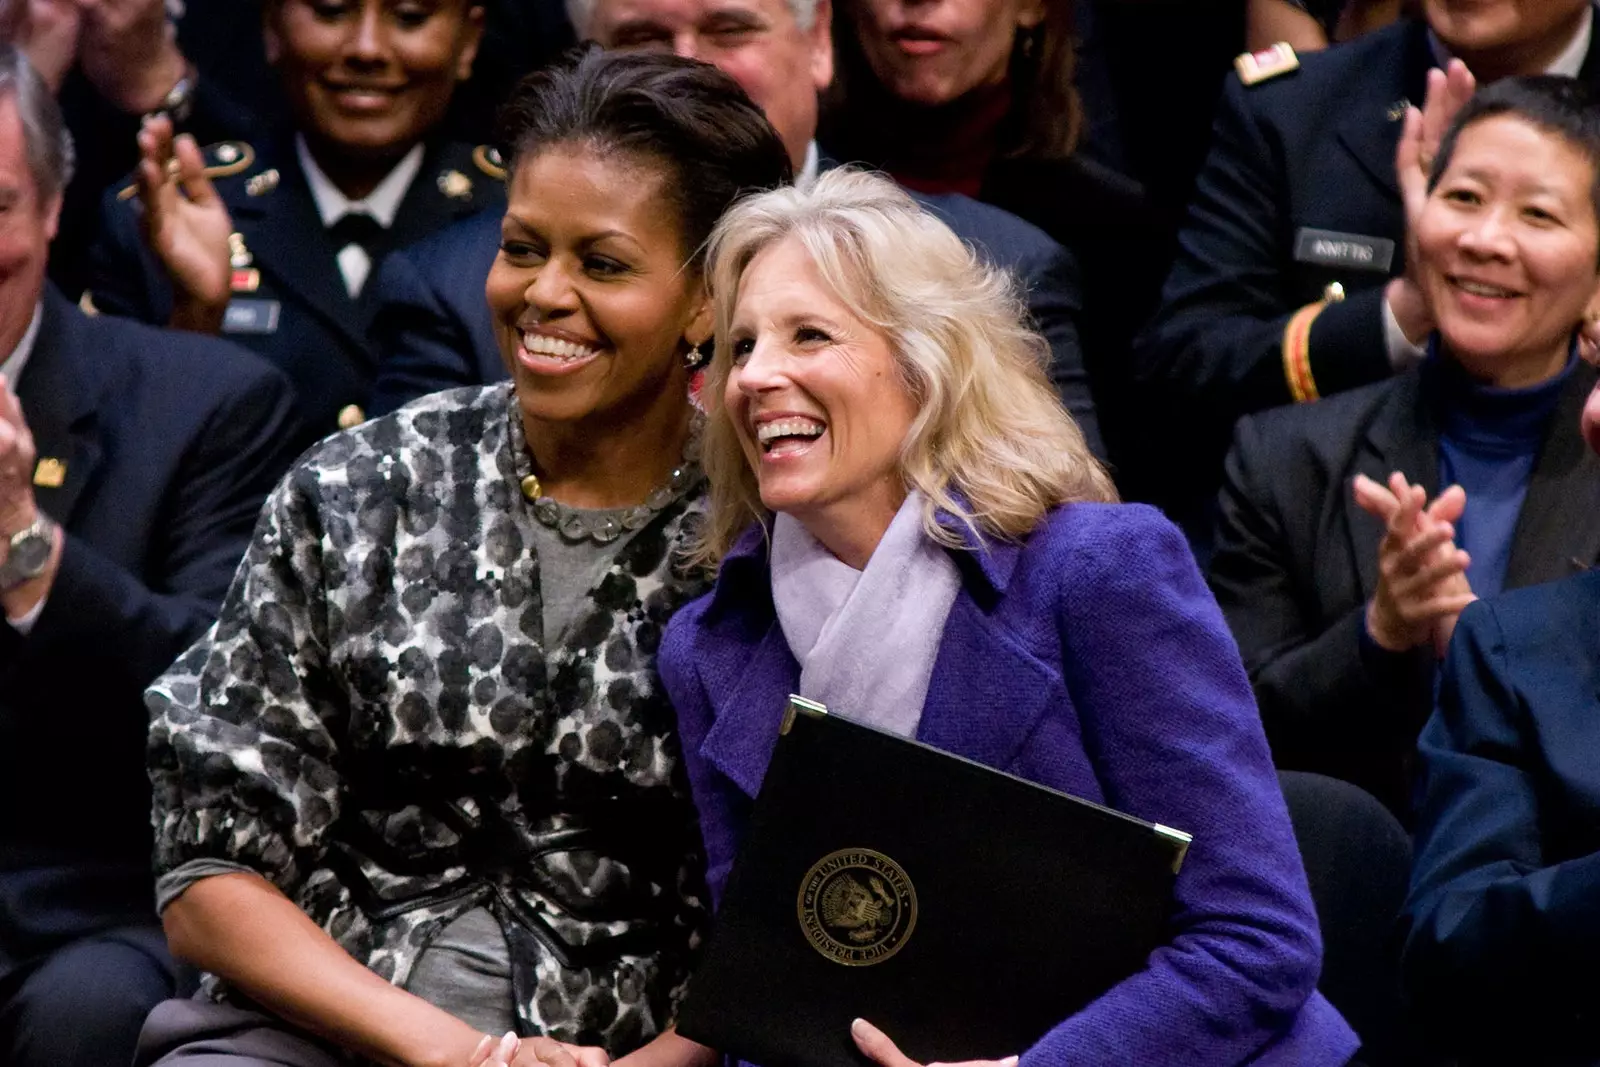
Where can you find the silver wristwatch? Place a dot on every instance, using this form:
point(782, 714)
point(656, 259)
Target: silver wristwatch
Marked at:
point(29, 553)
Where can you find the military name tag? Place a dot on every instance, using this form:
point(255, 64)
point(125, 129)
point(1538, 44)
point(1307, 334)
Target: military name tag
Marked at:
point(1352, 251)
point(251, 316)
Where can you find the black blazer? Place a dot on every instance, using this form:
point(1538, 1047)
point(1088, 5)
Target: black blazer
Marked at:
point(1502, 929)
point(434, 332)
point(171, 442)
point(1296, 563)
point(320, 336)
point(1311, 149)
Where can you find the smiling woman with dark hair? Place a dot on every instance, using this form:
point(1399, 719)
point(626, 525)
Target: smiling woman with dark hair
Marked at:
point(1354, 530)
point(272, 242)
point(425, 750)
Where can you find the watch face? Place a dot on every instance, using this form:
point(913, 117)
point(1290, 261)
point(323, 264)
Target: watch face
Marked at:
point(29, 555)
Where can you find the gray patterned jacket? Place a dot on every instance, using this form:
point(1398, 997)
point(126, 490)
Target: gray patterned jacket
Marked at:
point(377, 725)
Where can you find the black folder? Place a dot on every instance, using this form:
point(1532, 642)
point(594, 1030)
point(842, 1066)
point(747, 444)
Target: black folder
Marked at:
point(962, 910)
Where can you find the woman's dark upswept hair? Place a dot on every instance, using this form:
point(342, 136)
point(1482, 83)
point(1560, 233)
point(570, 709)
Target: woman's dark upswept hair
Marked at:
point(1562, 106)
point(686, 115)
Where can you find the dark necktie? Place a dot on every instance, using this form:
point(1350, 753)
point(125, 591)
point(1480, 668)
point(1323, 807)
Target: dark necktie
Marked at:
point(357, 228)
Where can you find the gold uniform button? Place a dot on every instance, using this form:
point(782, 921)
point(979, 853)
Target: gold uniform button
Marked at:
point(351, 416)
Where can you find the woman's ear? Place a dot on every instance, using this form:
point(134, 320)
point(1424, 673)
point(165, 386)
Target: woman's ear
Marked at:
point(271, 39)
point(1591, 311)
point(700, 327)
point(471, 38)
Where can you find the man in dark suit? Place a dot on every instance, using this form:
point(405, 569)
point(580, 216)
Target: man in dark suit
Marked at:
point(780, 51)
point(314, 212)
point(1500, 928)
point(1297, 221)
point(132, 464)
point(1296, 566)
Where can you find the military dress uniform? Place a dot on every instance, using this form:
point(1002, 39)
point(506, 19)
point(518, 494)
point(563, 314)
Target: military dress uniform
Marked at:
point(291, 302)
point(1295, 228)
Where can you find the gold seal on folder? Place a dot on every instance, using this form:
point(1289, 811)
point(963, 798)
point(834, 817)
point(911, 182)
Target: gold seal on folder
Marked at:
point(857, 907)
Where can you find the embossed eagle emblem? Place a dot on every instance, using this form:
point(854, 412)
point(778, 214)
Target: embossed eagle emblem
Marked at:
point(863, 911)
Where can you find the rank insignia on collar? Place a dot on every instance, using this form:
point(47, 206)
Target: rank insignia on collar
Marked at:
point(1257, 67)
point(222, 160)
point(227, 158)
point(50, 473)
point(262, 183)
point(455, 185)
point(487, 158)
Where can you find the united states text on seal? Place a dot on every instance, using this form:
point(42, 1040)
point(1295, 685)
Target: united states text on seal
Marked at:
point(857, 907)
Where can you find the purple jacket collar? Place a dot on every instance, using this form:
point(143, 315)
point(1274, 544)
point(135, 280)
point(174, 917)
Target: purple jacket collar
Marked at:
point(984, 715)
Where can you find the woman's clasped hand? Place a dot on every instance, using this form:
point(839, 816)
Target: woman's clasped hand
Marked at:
point(881, 1049)
point(1422, 575)
point(510, 1050)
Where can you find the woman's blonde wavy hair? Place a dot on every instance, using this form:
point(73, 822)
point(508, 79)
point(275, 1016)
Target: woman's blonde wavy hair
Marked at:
point(991, 443)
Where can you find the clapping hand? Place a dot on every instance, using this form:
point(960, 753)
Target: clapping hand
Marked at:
point(512, 1051)
point(186, 224)
point(875, 1044)
point(47, 32)
point(129, 52)
point(16, 464)
point(1422, 575)
point(1448, 91)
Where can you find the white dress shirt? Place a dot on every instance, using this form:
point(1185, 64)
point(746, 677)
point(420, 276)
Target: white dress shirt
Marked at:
point(382, 204)
point(808, 170)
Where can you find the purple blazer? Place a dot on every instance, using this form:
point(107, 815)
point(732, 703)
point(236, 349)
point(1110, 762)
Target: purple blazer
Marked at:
point(1102, 668)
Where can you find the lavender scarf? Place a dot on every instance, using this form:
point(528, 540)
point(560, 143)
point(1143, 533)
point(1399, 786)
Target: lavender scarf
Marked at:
point(865, 640)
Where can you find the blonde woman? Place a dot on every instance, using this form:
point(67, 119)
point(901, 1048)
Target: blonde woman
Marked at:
point(908, 526)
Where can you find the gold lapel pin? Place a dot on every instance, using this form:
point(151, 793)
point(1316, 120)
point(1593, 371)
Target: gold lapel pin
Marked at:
point(1398, 109)
point(455, 185)
point(50, 473)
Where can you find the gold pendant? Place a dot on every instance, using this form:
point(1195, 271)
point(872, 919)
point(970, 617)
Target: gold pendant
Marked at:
point(531, 487)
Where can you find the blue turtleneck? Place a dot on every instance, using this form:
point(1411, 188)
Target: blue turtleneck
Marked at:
point(1489, 439)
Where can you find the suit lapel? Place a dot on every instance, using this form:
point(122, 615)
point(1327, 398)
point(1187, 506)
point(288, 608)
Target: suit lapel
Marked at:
point(427, 207)
point(58, 400)
point(285, 234)
point(1553, 538)
point(984, 715)
point(1369, 132)
point(748, 706)
point(1401, 437)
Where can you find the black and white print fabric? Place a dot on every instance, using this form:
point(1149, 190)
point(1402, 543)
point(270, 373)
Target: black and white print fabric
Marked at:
point(377, 725)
